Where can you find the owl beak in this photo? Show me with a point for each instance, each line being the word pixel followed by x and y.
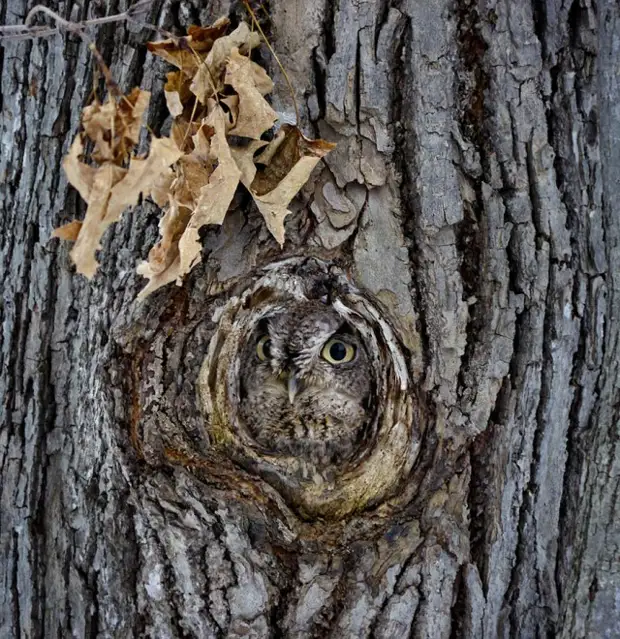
pixel 293 387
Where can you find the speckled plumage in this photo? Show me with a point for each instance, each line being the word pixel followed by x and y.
pixel 327 417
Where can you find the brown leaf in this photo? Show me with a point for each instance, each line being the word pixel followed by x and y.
pixel 194 169
pixel 283 153
pixel 215 197
pixel 141 176
pixel 171 227
pixel 182 131
pixel 242 66
pixel 202 144
pixel 95 223
pixel 241 38
pixel 163 262
pixel 115 126
pixel 290 166
pixel 157 280
pixel 177 93
pixel 113 189
pixel 187 52
pixel 161 187
pixel 173 102
pixel 130 112
pixel 232 102
pixel 273 213
pixel 204 37
pixel 254 116
pixel 80 175
pixel 176 51
pixel 208 78
pixel 69 231
pixel 192 175
pixel 270 150
pixel 204 84
pixel 244 158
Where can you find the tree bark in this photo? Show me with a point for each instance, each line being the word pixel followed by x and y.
pixel 474 194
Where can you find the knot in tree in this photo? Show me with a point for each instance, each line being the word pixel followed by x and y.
pixel 306 386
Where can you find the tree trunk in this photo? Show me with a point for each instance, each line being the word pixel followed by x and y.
pixel 473 196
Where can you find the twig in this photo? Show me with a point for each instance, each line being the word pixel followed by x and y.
pixel 26 31
pixel 107 74
pixel 275 55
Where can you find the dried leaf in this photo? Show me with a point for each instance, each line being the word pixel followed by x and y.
pixel 157 280
pixel 187 52
pixel 252 73
pixel 177 92
pixel 131 110
pixel 276 185
pixel 163 262
pixel 80 175
pixel 241 38
pixel 244 158
pixel 171 227
pixel 192 175
pixel 141 176
pixel 204 84
pixel 69 231
pixel 273 214
pixel 96 222
pixel 290 146
pixel 202 38
pixel 208 78
pixel 182 131
pixel 202 145
pixel 115 126
pixel 255 116
pixel 173 102
pixel 161 187
pixel 176 51
pixel 232 102
pixel 266 156
pixel 215 197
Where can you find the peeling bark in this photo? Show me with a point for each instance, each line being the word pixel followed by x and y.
pixel 473 193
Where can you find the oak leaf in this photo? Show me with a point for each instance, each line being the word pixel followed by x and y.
pixel 69 231
pixel 80 175
pixel 115 126
pixel 289 168
pixel 176 92
pixel 244 158
pixel 188 52
pixel 163 264
pixel 215 197
pixel 208 78
pixel 160 190
pixel 111 190
pixel 95 222
pixel 142 176
pixel 254 115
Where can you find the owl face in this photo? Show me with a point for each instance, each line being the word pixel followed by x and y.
pixel 305 384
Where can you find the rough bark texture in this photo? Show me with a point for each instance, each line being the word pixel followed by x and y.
pixel 474 192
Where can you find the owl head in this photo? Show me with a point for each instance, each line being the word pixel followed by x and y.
pixel 306 384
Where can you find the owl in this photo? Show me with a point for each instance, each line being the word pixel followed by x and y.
pixel 306 384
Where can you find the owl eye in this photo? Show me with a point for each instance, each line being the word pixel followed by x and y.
pixel 338 352
pixel 263 348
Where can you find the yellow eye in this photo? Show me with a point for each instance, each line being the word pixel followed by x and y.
pixel 336 351
pixel 263 348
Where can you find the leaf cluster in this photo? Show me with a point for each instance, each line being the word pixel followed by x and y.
pixel 216 96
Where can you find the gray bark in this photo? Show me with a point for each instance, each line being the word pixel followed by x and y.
pixel 478 158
